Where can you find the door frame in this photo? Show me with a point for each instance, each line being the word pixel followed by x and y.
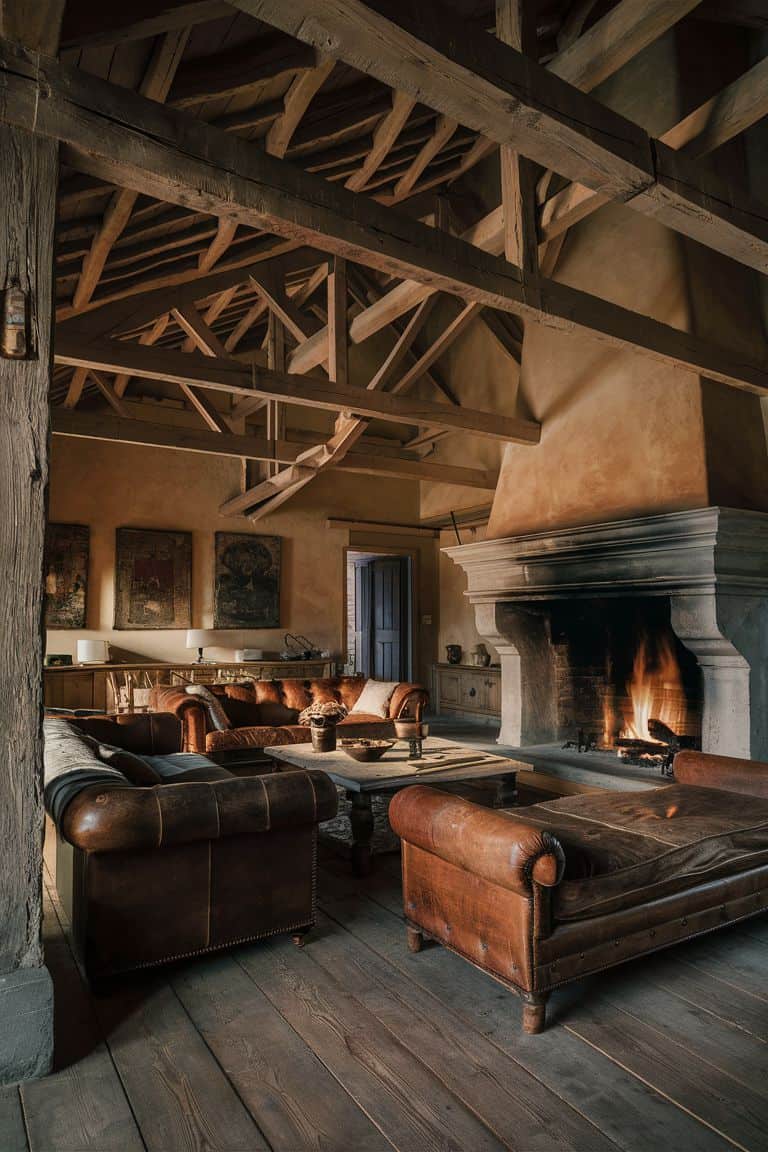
pixel 410 554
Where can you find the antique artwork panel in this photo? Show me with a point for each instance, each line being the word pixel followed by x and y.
pixel 66 575
pixel 246 581
pixel 153 579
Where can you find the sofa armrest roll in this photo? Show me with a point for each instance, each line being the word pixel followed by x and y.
pixel 706 770
pixel 117 819
pixel 408 700
pixel 188 709
pixel 482 841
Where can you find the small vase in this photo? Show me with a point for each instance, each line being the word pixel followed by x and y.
pixel 323 733
pixel 453 651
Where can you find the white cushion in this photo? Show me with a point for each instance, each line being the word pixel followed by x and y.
pixel 375 697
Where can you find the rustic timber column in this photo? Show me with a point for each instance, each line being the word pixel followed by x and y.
pixel 28 172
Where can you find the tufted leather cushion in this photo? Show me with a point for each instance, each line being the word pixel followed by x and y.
pixel 295 694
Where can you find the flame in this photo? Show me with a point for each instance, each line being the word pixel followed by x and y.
pixel 655 685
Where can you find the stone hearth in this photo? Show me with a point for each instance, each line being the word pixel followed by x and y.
pixel 711 564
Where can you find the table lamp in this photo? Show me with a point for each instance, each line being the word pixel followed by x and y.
pixel 200 638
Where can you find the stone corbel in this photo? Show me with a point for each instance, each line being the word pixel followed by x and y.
pixel 520 634
pixel 727 633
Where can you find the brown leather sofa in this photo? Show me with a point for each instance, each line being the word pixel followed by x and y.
pixel 543 895
pixel 266 712
pixel 161 856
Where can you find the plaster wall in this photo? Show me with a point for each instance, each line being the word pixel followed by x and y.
pixel 457 616
pixel 107 486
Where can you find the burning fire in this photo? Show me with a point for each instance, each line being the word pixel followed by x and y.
pixel 654 691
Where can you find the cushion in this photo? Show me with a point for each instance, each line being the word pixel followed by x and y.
pixel 243 692
pixel 625 849
pixel 173 768
pixel 374 698
pixel 296 694
pixel 137 769
pixel 213 706
pixel 324 692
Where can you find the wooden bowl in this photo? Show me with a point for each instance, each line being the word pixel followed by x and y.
pixel 366 751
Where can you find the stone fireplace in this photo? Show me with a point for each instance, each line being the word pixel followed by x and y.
pixel 604 628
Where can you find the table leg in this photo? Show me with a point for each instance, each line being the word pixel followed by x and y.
pixel 508 790
pixel 361 818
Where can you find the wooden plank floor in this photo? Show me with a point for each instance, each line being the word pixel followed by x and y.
pixel 355 1045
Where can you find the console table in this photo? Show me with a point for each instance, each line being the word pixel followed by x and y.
pixel 125 687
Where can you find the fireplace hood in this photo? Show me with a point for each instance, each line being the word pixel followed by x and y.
pixel 712 564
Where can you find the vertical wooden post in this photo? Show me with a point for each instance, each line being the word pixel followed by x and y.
pixel 28 173
pixel 28 179
pixel 516 26
pixel 275 410
pixel 338 366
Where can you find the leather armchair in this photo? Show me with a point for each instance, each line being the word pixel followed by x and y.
pixel 547 894
pixel 195 862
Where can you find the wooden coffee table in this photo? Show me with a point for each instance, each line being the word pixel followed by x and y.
pixel 443 762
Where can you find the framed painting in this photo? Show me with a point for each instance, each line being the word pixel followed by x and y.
pixel 246 592
pixel 153 579
pixel 66 575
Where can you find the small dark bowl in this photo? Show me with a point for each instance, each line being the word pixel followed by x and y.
pixel 366 752
pixel 411 730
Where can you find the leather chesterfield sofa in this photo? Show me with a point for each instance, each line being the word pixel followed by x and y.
pixel 543 895
pixel 261 713
pixel 161 855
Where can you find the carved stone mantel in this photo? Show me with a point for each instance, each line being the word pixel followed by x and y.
pixel 711 562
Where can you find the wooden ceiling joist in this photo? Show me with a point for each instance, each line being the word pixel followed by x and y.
pixel 234 377
pixel 384 137
pixel 492 88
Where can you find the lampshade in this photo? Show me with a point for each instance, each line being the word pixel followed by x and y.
pixel 92 651
pixel 200 637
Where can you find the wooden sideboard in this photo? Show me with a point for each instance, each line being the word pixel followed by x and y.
pixel 465 690
pixel 125 687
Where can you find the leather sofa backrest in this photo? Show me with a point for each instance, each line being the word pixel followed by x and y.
pixel 276 702
pixel 155 733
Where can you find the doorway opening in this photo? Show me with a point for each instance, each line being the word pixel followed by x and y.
pixel 380 615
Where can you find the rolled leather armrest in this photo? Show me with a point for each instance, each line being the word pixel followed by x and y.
pixel 727 773
pixel 482 841
pixel 117 819
pixel 408 700
pixel 188 709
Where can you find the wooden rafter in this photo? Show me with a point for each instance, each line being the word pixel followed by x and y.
pixel 444 130
pixel 225 234
pixel 297 100
pixel 150 337
pixel 495 90
pixel 240 71
pixel 384 138
pixel 155 86
pixel 190 320
pixel 86 23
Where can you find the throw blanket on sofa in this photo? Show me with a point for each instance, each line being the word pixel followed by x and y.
pixel 72 762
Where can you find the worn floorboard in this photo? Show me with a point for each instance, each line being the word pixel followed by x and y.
pixel 356 1045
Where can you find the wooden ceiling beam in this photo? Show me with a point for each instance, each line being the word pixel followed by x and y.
pixel 222 175
pixel 516 26
pixel 225 234
pixel 490 87
pixel 234 377
pixel 718 120
pixel 104 426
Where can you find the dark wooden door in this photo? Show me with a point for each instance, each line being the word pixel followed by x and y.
pixel 389 638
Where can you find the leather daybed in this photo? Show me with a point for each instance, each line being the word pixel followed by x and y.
pixel 543 895
pixel 261 713
pixel 162 855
